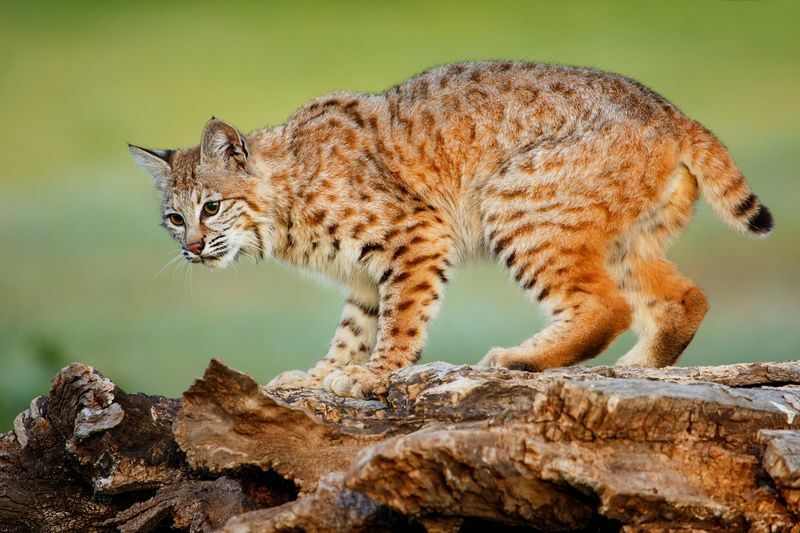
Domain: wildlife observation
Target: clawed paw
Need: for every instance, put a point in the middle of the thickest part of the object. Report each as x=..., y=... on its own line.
x=354, y=382
x=295, y=379
x=505, y=358
x=496, y=357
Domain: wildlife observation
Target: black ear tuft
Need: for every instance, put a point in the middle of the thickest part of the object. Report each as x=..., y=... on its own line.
x=157, y=163
x=164, y=155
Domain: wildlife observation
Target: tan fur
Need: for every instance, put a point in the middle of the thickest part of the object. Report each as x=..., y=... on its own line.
x=576, y=180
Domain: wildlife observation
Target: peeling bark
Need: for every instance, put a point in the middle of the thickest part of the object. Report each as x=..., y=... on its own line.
x=448, y=448
x=193, y=505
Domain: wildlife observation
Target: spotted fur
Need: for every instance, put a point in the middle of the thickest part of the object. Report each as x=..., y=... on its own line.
x=573, y=179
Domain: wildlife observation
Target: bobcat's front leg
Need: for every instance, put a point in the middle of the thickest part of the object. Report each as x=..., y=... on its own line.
x=351, y=344
x=410, y=292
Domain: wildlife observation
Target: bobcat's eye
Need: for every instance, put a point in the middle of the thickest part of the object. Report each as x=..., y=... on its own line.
x=211, y=208
x=175, y=219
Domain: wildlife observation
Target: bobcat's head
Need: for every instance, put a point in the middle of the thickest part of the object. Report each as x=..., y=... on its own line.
x=208, y=202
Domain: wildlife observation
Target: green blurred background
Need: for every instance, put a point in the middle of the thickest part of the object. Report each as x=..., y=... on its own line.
x=80, y=246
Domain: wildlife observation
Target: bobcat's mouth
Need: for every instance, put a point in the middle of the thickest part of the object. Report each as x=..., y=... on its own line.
x=221, y=256
x=220, y=259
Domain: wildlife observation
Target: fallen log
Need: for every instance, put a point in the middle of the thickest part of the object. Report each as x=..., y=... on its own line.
x=449, y=448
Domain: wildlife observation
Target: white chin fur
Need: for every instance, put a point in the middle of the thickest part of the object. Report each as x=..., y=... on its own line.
x=218, y=263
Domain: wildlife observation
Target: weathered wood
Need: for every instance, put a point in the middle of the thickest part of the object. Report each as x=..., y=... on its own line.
x=192, y=505
x=71, y=451
x=331, y=507
x=448, y=448
x=228, y=421
x=781, y=460
x=89, y=451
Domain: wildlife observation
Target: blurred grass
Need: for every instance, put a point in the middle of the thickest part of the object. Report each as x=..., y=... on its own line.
x=78, y=230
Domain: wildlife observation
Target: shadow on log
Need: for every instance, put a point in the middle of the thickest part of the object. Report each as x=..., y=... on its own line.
x=449, y=448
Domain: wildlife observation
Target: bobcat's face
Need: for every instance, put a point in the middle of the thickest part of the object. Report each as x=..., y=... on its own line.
x=204, y=203
x=209, y=226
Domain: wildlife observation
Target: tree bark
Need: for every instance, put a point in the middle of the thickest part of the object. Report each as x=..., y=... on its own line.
x=449, y=448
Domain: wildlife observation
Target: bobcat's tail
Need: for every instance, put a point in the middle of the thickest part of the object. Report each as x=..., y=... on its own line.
x=722, y=184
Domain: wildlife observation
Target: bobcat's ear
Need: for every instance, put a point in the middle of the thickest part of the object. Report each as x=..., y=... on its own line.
x=221, y=140
x=154, y=162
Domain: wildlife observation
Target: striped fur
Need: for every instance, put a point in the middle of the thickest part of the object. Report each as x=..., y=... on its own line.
x=574, y=179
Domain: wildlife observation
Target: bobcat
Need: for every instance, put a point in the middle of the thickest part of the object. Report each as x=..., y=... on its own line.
x=575, y=179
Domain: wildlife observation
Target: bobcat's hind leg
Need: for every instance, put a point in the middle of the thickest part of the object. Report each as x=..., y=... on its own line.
x=668, y=308
x=547, y=217
x=351, y=345
x=567, y=275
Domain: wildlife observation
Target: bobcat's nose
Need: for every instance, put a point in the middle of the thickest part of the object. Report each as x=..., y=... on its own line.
x=195, y=247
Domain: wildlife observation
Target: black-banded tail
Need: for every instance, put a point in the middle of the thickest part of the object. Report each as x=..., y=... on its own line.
x=722, y=184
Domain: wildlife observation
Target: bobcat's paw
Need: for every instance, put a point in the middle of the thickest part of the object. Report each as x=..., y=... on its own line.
x=505, y=358
x=295, y=379
x=633, y=358
x=354, y=382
